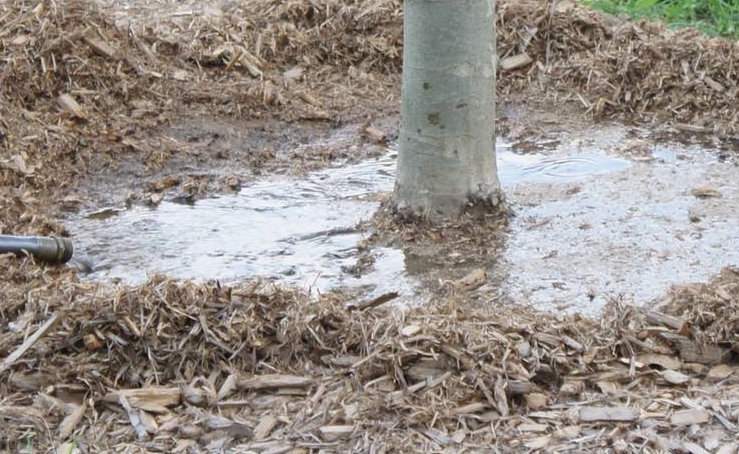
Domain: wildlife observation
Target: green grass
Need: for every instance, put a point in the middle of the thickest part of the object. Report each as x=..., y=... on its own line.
x=713, y=17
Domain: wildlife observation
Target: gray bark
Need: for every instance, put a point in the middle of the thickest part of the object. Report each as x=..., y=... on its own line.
x=447, y=132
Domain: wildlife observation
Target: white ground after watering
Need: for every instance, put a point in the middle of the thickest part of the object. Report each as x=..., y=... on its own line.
x=588, y=225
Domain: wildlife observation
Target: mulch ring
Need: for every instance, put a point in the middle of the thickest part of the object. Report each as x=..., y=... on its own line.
x=176, y=366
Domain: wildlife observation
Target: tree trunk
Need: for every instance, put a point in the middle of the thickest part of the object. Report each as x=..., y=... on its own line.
x=447, y=132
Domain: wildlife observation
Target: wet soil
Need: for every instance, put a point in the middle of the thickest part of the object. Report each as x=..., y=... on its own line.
x=195, y=155
x=298, y=230
x=204, y=156
x=598, y=213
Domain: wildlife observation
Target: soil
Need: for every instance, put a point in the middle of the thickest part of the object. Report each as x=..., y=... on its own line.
x=136, y=103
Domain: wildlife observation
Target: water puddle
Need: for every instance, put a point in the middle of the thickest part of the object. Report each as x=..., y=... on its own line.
x=629, y=234
x=588, y=224
x=302, y=232
x=516, y=168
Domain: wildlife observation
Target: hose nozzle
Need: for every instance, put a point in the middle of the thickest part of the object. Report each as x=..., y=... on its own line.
x=52, y=249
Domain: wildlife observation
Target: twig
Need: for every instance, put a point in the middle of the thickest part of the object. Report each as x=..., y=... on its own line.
x=23, y=348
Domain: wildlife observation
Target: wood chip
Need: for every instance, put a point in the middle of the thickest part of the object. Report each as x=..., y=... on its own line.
x=341, y=360
x=70, y=106
x=538, y=443
x=375, y=135
x=293, y=73
x=335, y=433
x=21, y=40
x=524, y=349
x=664, y=361
x=28, y=343
x=730, y=448
x=18, y=164
x=228, y=387
x=720, y=372
x=695, y=368
x=180, y=75
x=536, y=401
x=705, y=192
x=553, y=415
x=153, y=399
x=194, y=395
x=190, y=431
x=29, y=382
x=459, y=436
x=225, y=425
x=70, y=422
x=378, y=301
x=273, y=381
x=573, y=344
x=148, y=421
x=501, y=398
x=476, y=407
x=608, y=387
x=250, y=62
x=571, y=388
x=704, y=354
x=688, y=417
x=568, y=432
x=548, y=339
x=713, y=84
x=100, y=47
x=133, y=417
x=92, y=343
x=425, y=370
x=517, y=387
x=664, y=319
x=439, y=437
x=411, y=330
x=515, y=62
x=474, y=279
x=265, y=427
x=68, y=448
x=675, y=378
x=309, y=99
x=533, y=427
x=591, y=414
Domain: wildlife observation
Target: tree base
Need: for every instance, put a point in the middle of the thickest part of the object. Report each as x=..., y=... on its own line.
x=493, y=207
x=485, y=220
x=477, y=238
x=478, y=210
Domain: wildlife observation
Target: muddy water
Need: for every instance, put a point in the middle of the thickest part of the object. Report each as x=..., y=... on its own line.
x=301, y=232
x=588, y=225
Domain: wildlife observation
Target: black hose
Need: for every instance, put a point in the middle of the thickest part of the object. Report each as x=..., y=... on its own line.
x=46, y=249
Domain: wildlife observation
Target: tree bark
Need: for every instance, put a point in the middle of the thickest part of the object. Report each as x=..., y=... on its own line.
x=447, y=132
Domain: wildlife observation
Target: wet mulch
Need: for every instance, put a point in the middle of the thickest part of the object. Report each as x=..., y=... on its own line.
x=180, y=366
x=442, y=247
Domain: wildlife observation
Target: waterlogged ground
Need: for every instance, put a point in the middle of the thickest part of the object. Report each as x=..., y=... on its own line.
x=298, y=231
x=670, y=216
x=597, y=215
